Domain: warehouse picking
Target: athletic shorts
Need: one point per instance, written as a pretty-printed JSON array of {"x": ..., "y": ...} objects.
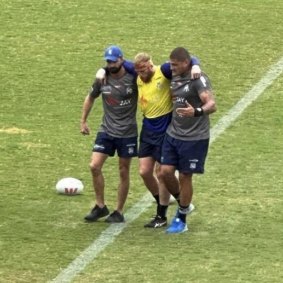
[
  {"x": 150, "y": 144},
  {"x": 125, "y": 147},
  {"x": 186, "y": 156}
]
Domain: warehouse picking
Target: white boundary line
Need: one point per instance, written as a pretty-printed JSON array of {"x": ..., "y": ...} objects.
[
  {"x": 108, "y": 235},
  {"x": 274, "y": 72}
]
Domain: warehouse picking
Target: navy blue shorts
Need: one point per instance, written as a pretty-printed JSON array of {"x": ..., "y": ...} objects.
[
  {"x": 150, "y": 144},
  {"x": 186, "y": 156},
  {"x": 125, "y": 147}
]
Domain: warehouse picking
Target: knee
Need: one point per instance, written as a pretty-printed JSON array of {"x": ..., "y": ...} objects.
[
  {"x": 95, "y": 170},
  {"x": 161, "y": 174},
  {"x": 124, "y": 171},
  {"x": 145, "y": 172},
  {"x": 164, "y": 173}
]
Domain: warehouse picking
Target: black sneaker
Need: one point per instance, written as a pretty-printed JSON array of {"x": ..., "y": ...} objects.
[
  {"x": 115, "y": 217},
  {"x": 156, "y": 222},
  {"x": 97, "y": 213}
]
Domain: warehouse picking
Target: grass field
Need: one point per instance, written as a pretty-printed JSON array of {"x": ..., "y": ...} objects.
[{"x": 50, "y": 51}]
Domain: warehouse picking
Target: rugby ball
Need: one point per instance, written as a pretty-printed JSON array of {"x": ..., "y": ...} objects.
[{"x": 69, "y": 186}]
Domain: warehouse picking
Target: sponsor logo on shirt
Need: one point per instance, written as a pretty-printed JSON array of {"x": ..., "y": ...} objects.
[
  {"x": 110, "y": 100},
  {"x": 181, "y": 100},
  {"x": 125, "y": 102}
]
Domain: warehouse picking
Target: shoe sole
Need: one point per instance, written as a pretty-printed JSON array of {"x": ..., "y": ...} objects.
[
  {"x": 156, "y": 226},
  {"x": 174, "y": 232},
  {"x": 111, "y": 221},
  {"x": 95, "y": 219},
  {"x": 114, "y": 222}
]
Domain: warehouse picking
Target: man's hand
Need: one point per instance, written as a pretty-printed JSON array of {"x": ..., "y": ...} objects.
[
  {"x": 84, "y": 128},
  {"x": 101, "y": 76},
  {"x": 195, "y": 72},
  {"x": 188, "y": 111}
]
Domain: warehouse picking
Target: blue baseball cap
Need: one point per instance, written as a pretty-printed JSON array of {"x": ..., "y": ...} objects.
[{"x": 113, "y": 53}]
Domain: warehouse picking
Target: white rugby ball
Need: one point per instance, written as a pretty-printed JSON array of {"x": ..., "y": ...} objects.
[{"x": 69, "y": 186}]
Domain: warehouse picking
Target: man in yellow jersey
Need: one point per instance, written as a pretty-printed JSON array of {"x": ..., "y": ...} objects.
[{"x": 156, "y": 105}]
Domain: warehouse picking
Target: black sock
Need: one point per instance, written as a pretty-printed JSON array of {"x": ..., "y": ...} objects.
[
  {"x": 157, "y": 199},
  {"x": 162, "y": 211},
  {"x": 183, "y": 210},
  {"x": 158, "y": 205}
]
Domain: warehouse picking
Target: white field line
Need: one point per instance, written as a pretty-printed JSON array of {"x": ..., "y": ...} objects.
[
  {"x": 108, "y": 235},
  {"x": 274, "y": 72}
]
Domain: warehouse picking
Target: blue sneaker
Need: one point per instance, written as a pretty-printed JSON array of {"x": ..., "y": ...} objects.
[{"x": 177, "y": 226}]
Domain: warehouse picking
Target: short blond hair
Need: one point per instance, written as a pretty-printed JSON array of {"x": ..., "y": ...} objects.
[{"x": 142, "y": 58}]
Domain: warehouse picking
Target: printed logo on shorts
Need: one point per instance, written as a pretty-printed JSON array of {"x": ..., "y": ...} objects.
[
  {"x": 193, "y": 163},
  {"x": 130, "y": 150},
  {"x": 98, "y": 147}
]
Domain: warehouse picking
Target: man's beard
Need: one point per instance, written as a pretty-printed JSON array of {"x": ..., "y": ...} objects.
[
  {"x": 147, "y": 78},
  {"x": 114, "y": 70}
]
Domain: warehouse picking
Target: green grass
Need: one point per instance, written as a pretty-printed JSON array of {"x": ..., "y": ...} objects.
[{"x": 49, "y": 53}]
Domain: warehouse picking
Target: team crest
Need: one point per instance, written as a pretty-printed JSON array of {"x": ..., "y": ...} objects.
[
  {"x": 129, "y": 90},
  {"x": 193, "y": 163},
  {"x": 186, "y": 88}
]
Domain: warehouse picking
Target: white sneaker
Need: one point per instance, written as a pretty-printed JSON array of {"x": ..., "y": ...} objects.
[{"x": 191, "y": 208}]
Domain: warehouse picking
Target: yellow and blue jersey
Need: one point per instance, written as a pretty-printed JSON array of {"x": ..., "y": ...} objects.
[
  {"x": 154, "y": 97},
  {"x": 155, "y": 101}
]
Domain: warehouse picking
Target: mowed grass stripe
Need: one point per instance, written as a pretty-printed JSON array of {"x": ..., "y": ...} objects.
[{"x": 108, "y": 236}]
